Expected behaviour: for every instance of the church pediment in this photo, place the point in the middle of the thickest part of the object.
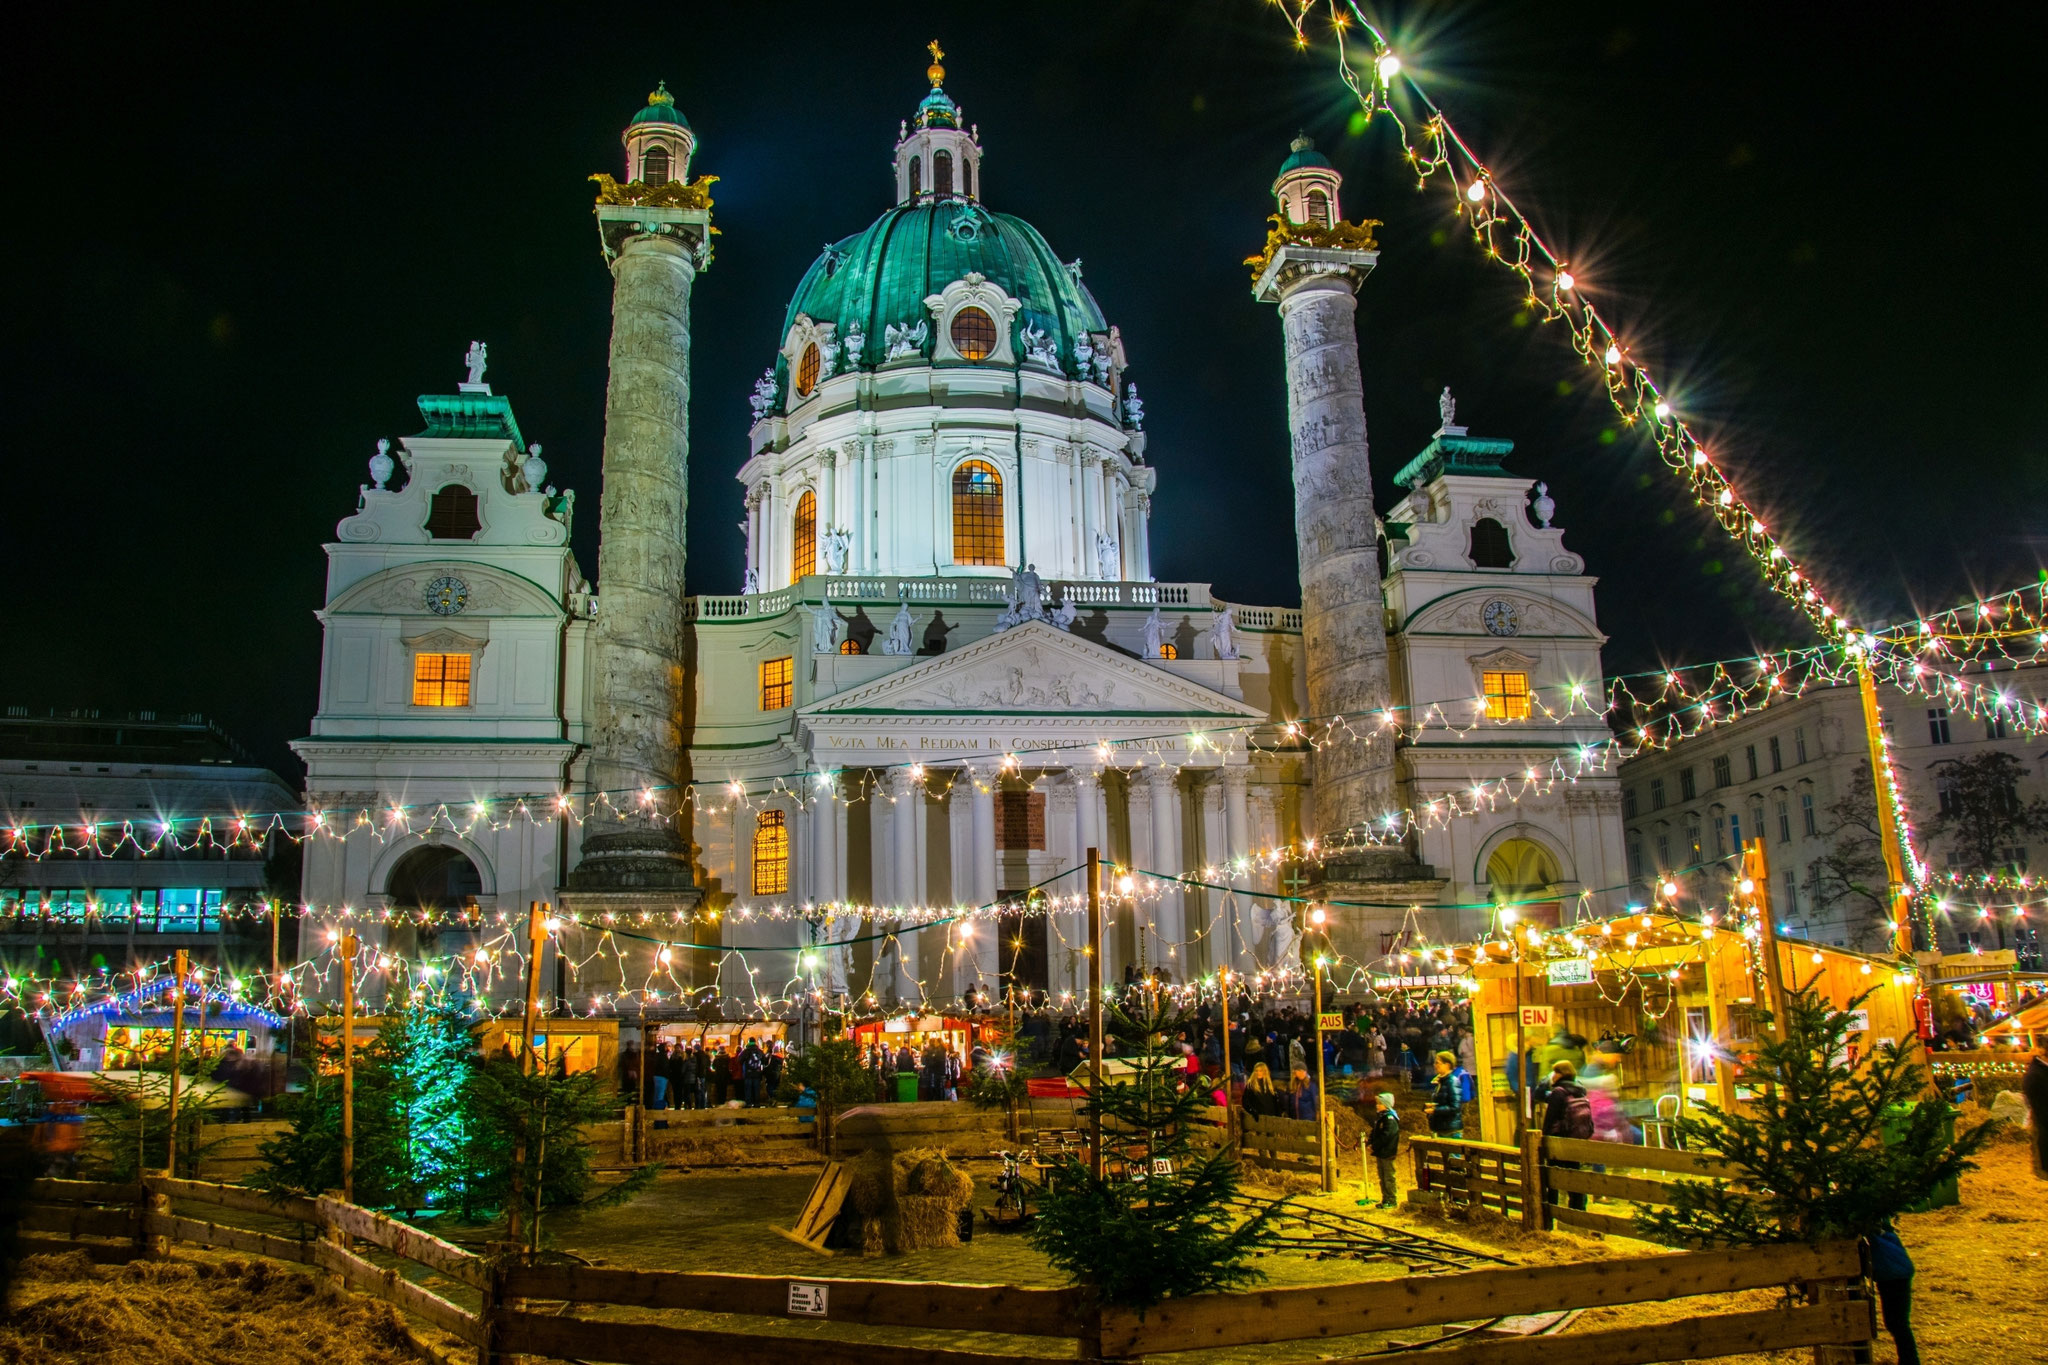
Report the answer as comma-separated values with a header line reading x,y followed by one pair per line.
x,y
1033,669
1501,610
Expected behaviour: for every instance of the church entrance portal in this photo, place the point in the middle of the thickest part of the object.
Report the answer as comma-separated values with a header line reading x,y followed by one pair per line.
x,y
429,886
1024,953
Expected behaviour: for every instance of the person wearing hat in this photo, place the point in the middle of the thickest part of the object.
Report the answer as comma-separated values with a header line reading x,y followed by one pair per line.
x,y
2034,1090
1384,1141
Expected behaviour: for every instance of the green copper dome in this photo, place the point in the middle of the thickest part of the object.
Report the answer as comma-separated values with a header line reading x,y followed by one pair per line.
x,y
661,108
884,275
1302,152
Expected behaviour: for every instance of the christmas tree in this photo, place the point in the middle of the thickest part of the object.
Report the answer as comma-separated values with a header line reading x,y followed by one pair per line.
x,y
1160,1221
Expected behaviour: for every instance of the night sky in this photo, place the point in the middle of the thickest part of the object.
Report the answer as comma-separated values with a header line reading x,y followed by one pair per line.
x,y
240,244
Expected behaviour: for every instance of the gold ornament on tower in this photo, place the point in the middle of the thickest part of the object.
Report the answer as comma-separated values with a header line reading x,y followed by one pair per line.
x,y
935,71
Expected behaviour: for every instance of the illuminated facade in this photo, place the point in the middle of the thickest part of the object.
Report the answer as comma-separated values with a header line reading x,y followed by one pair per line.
x,y
949,670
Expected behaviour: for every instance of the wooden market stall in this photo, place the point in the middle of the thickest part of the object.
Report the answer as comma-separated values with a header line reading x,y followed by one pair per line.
x,y
957,1031
1656,1012
587,1044
133,1028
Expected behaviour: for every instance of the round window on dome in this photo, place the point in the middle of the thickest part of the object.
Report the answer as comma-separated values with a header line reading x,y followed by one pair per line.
x,y
807,367
974,334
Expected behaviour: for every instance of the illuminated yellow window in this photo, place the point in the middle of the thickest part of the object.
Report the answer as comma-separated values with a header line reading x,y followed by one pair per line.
x,y
776,679
771,853
440,680
1168,650
977,514
803,537
974,334
849,646
1507,696
807,370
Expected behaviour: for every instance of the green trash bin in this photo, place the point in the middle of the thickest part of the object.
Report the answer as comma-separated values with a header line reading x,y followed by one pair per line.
x,y
1896,1120
906,1087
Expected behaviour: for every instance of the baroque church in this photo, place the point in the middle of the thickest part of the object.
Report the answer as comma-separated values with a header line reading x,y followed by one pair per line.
x,y
949,670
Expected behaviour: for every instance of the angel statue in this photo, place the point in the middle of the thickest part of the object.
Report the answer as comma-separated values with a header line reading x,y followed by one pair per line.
x,y
824,629
1223,632
1279,936
1155,636
1108,563
837,543
479,356
763,397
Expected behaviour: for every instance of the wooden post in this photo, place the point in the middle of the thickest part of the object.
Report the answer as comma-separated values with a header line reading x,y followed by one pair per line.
x,y
1224,999
276,985
1891,838
1521,1064
177,1057
536,941
348,1068
1095,1010
1532,1181
1756,868
640,1106
1323,1143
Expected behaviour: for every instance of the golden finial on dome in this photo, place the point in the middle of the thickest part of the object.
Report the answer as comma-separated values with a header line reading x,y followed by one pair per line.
x,y
660,94
935,71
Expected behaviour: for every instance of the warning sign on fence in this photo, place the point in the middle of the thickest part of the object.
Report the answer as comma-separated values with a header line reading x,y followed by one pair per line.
x,y
807,1300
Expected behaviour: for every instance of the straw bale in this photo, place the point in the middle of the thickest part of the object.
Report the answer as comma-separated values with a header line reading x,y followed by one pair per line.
x,y
924,1221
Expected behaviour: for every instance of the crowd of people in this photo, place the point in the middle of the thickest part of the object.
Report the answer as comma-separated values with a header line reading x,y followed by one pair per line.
x,y
689,1075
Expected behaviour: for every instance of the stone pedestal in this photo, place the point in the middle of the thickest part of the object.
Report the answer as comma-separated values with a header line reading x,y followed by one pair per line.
x,y
639,692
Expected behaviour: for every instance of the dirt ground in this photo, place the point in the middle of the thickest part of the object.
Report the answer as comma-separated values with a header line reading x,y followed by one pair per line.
x,y
193,1311
1980,1291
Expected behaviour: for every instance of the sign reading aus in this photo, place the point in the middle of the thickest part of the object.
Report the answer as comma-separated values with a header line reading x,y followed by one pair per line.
x,y
1571,971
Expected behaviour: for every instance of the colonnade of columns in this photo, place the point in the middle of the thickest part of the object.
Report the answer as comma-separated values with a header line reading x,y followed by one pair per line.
x,y
1137,817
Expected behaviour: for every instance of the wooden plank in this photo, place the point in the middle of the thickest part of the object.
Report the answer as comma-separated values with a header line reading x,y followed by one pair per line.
x,y
403,1239
1631,1156
1592,1220
231,1238
1263,1142
84,1192
644,1343
890,1303
1699,1338
1423,1301
78,1220
1636,1189
1490,1149
52,1244
394,1289
235,1197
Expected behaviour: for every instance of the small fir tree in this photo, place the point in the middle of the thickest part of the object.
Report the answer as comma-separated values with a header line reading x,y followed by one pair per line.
x,y
1142,1232
834,1072
537,1117
1810,1157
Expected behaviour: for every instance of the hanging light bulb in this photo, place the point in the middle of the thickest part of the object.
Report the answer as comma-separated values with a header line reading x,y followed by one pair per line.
x,y
1476,191
1565,280
1389,67
1662,409
1613,354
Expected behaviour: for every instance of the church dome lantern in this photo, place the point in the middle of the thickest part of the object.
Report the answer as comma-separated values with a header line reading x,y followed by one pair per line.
x,y
938,159
659,141
1306,187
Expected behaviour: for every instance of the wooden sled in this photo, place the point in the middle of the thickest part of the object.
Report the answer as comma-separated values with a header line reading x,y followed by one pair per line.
x,y
821,1209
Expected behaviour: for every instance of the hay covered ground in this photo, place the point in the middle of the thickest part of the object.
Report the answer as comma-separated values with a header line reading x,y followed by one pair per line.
x,y
194,1310
1983,1276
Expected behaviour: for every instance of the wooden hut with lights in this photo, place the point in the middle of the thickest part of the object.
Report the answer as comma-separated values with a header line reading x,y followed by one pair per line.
x,y
1665,1009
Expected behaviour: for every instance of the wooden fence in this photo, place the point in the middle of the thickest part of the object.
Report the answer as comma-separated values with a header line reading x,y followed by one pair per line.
x,y
121,1222
1284,1144
1476,1175
1522,1182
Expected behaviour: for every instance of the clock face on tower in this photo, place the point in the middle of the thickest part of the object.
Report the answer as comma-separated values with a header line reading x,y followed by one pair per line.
x,y
448,595
1500,618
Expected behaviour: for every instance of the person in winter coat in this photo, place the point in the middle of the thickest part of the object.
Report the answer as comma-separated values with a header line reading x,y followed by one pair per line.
x,y
1567,1114
1383,1140
1261,1098
2034,1090
686,1078
1302,1096
1892,1271
753,1068
1446,1104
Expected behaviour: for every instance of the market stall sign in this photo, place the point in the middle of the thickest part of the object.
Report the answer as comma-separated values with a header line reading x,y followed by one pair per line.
x,y
1571,971
1330,1023
1537,1016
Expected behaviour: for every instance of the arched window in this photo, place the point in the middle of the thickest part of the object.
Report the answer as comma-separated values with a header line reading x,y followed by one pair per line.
x,y
916,176
974,333
1168,650
1490,546
1319,208
977,514
654,166
803,537
771,853
451,514
807,370
967,178
942,173
850,646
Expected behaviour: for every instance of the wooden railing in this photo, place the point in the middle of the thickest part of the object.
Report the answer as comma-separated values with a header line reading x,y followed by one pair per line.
x,y
1653,1184
1286,1144
1476,1175
121,1222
